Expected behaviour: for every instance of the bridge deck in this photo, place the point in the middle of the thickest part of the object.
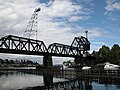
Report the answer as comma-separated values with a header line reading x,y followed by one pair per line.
x,y
13,51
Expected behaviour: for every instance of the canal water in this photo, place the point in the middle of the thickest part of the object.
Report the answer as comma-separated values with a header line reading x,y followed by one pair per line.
x,y
13,80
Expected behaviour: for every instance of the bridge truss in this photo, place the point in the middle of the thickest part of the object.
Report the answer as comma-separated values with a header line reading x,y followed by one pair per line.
x,y
63,50
21,45
81,43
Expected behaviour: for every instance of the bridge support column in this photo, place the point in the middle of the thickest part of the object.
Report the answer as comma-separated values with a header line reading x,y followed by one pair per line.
x,y
78,61
47,61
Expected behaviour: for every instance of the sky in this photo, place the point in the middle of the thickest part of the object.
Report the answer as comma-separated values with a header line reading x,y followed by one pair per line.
x,y
62,20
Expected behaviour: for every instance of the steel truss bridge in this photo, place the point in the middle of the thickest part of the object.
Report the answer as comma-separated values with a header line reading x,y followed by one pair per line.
x,y
20,45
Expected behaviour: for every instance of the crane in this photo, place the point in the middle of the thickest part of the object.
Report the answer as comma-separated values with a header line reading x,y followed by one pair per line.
x,y
31,30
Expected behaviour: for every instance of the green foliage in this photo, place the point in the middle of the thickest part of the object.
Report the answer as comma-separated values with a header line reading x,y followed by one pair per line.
x,y
18,63
105,54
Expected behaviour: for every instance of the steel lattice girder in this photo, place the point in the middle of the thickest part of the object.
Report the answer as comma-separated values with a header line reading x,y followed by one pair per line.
x,y
81,43
20,43
62,49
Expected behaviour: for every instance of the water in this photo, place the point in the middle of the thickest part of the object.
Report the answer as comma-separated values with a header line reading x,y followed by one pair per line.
x,y
13,80
18,80
104,87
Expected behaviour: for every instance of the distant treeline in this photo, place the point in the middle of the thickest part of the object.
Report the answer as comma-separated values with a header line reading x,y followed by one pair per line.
x,y
106,54
16,63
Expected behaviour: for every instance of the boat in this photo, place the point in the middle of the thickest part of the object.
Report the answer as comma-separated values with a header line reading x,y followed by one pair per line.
x,y
109,66
86,68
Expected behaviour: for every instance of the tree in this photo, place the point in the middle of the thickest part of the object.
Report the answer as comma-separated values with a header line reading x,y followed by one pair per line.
x,y
115,53
11,62
97,56
7,61
104,53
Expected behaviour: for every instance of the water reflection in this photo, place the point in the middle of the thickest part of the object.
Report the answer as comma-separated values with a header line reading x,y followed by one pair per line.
x,y
83,83
18,80
48,80
100,83
22,81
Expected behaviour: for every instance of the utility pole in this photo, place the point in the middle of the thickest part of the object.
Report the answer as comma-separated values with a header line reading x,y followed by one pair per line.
x,y
85,52
86,34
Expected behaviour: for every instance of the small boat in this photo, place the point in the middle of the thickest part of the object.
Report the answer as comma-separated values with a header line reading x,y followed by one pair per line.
x,y
109,66
86,68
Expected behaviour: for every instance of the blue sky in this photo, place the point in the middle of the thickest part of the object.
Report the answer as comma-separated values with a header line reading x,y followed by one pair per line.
x,y
61,20
100,17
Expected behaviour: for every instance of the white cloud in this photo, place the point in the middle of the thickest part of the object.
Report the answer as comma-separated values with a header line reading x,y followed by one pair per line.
x,y
94,32
52,30
111,8
15,15
61,8
99,43
77,18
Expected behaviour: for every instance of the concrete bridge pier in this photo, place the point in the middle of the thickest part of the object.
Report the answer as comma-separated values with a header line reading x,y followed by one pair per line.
x,y
47,61
79,60
48,80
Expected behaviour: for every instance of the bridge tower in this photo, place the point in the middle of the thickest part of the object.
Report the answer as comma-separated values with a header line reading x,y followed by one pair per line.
x,y
31,30
83,45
